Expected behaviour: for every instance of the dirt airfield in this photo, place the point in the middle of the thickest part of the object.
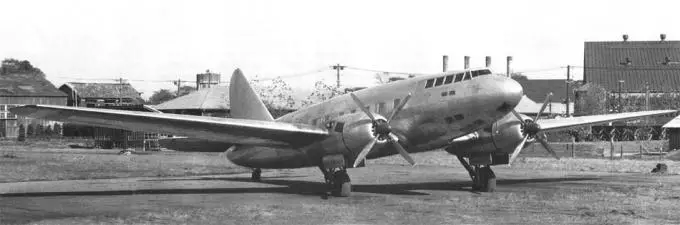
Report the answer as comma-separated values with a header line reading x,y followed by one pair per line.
x,y
437,191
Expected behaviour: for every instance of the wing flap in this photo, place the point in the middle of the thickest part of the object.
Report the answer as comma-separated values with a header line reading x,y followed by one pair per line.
x,y
566,123
237,131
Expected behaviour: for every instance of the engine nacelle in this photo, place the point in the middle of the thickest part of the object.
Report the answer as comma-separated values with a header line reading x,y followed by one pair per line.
x,y
351,132
501,137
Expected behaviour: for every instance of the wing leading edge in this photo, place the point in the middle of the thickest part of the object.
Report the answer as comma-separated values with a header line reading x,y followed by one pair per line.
x,y
236,131
565,123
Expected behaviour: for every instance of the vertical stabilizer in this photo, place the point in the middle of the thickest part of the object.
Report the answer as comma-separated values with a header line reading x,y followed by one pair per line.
x,y
244,102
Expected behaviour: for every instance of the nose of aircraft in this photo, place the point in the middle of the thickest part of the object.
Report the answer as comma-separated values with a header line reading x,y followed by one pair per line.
x,y
504,89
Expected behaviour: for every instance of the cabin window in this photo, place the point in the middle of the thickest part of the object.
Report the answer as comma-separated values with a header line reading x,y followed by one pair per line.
x,y
353,111
452,92
459,77
459,117
448,120
342,113
380,107
444,94
396,103
429,83
439,81
449,79
314,121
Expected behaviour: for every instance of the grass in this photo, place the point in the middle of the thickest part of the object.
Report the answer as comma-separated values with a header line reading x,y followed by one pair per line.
x,y
34,162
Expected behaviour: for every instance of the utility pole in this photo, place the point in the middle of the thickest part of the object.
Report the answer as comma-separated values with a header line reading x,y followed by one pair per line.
x,y
568,81
337,68
120,91
178,83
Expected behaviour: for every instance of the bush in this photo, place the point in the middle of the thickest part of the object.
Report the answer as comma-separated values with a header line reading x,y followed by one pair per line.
x,y
56,130
30,130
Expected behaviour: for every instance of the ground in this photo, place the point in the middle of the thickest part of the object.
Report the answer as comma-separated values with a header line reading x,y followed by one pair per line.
x,y
437,191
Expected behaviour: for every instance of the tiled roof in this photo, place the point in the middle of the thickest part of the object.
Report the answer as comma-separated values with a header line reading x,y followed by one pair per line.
x,y
634,62
104,90
22,84
214,98
536,90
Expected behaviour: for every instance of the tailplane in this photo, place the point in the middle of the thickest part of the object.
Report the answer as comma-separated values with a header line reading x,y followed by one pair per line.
x,y
244,102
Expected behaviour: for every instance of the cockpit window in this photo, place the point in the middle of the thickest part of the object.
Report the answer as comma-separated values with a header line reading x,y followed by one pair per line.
x,y
440,81
484,72
429,83
459,77
448,79
474,73
467,75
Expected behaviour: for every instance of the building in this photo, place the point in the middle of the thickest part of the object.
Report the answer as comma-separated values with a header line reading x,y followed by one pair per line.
x,y
101,94
537,90
633,66
212,101
119,96
207,80
25,88
635,76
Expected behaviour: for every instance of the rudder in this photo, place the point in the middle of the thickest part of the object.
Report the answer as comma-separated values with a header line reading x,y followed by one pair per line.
x,y
244,102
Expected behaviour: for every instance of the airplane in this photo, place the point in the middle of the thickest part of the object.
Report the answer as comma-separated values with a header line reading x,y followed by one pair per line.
x,y
469,113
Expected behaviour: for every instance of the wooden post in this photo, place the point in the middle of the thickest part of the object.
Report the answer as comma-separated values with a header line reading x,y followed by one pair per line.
x,y
611,151
573,152
641,151
622,151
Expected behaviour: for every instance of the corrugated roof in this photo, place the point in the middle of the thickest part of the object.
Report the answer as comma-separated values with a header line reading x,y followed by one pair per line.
x,y
673,123
214,98
537,90
22,84
606,63
104,90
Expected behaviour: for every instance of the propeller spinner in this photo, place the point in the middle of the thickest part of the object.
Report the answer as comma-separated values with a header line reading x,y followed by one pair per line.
x,y
383,131
531,129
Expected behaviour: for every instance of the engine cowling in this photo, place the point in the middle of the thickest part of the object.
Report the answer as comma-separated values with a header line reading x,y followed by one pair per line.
x,y
502,136
351,132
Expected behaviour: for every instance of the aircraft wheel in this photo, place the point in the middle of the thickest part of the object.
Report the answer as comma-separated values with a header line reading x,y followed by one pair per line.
x,y
342,186
257,173
487,179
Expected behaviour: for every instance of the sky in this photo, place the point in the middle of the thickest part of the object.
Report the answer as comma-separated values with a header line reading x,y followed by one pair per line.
x,y
151,42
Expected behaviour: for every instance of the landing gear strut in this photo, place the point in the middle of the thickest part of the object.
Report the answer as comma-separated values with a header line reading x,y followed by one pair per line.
x,y
483,178
338,181
257,173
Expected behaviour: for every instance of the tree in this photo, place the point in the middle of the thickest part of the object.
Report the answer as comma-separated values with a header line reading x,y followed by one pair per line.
x,y
322,92
591,99
56,130
160,96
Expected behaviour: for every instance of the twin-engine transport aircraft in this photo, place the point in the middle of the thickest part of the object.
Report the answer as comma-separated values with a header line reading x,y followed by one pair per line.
x,y
468,112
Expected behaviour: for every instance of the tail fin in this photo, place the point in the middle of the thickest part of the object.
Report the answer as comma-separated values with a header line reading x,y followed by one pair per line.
x,y
244,102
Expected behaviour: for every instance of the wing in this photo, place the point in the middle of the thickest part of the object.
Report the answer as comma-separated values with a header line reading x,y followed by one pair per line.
x,y
237,131
565,123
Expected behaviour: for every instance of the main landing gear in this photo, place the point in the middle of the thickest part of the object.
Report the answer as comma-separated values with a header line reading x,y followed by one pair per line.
x,y
483,178
256,175
338,181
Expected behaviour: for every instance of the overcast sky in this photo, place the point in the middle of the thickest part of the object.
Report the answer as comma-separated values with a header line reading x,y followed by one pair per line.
x,y
162,40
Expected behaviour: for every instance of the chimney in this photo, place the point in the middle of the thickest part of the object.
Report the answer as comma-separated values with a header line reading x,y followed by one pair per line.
x,y
509,61
445,63
488,61
466,63
663,37
625,37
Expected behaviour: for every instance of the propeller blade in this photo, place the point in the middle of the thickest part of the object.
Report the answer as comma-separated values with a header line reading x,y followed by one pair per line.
x,y
401,150
362,106
518,116
364,152
547,147
398,108
518,149
545,104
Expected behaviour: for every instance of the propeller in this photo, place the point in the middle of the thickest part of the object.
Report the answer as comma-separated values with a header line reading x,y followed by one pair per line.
x,y
531,129
383,131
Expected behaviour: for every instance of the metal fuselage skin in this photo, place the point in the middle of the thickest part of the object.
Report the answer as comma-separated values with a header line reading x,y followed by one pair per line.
x,y
430,120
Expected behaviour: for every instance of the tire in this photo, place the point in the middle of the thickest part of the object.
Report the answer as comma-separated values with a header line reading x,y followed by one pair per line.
x,y
342,186
488,180
256,175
